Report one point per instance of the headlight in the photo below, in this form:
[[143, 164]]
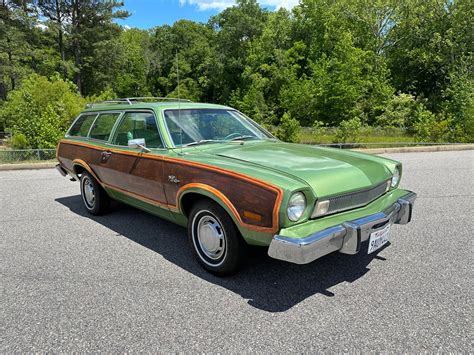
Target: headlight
[[320, 209], [296, 206], [395, 177]]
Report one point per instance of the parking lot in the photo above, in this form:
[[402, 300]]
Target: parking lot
[[127, 281]]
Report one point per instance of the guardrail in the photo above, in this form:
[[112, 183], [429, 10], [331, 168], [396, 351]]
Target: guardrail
[[24, 155]]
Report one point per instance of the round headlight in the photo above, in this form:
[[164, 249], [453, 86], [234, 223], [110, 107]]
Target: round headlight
[[296, 206], [395, 177]]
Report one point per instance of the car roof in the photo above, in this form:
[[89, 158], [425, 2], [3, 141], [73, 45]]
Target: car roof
[[153, 106]]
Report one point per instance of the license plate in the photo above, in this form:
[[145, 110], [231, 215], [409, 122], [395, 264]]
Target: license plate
[[378, 239]]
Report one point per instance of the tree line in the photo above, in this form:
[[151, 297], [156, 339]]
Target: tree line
[[349, 63]]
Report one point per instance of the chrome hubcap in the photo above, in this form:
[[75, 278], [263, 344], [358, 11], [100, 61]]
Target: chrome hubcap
[[211, 237], [89, 193]]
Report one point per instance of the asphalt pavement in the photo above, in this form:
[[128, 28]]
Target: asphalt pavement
[[127, 281]]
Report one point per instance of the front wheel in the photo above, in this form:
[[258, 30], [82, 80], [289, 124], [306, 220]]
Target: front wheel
[[93, 195], [214, 239]]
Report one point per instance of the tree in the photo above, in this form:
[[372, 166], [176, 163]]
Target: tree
[[91, 23], [15, 29], [41, 110], [235, 28], [185, 47]]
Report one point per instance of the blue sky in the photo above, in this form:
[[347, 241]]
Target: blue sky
[[150, 13]]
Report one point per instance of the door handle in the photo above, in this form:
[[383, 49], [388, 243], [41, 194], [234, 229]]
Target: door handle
[[105, 156]]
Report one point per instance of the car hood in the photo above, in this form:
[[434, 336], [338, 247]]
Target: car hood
[[327, 171]]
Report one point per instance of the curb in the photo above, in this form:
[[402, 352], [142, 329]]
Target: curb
[[28, 166], [422, 149]]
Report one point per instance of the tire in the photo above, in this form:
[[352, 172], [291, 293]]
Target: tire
[[95, 199], [214, 239]]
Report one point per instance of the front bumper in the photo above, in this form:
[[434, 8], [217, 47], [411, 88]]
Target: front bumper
[[345, 237]]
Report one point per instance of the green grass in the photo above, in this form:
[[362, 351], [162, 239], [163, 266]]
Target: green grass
[[368, 135], [328, 139]]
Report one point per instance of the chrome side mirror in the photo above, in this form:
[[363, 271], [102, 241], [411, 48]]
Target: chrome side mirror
[[138, 143]]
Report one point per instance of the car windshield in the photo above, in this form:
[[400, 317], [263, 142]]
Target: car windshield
[[199, 126]]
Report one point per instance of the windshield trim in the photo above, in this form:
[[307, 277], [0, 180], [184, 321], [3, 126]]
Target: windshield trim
[[248, 119]]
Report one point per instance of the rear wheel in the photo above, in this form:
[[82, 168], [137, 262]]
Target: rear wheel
[[214, 238], [93, 195]]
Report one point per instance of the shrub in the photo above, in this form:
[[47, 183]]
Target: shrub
[[349, 131], [318, 128], [399, 112], [289, 129], [18, 141], [41, 110], [431, 128]]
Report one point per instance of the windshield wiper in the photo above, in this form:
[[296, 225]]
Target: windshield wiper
[[243, 137], [202, 141]]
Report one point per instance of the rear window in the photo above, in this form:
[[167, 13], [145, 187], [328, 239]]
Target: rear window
[[103, 126], [81, 126]]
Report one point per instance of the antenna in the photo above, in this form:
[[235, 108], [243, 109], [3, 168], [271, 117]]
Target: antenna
[[179, 107]]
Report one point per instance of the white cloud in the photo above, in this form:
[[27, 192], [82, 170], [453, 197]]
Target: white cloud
[[222, 4], [41, 26]]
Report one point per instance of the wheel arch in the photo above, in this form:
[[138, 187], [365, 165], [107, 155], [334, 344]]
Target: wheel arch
[[79, 166], [192, 193]]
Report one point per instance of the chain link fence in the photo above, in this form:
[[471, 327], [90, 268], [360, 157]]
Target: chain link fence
[[382, 145], [8, 156], [26, 155]]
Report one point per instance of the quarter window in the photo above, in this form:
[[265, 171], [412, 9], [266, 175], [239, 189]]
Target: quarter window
[[81, 127], [103, 126], [136, 125]]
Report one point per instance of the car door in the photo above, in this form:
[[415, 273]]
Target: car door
[[99, 135], [133, 171]]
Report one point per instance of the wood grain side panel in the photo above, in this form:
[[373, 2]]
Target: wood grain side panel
[[126, 171], [67, 153], [147, 177], [240, 192], [243, 195]]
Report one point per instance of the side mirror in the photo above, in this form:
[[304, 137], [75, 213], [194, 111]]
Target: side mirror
[[138, 143]]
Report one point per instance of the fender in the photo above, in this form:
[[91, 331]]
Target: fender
[[83, 164], [222, 200]]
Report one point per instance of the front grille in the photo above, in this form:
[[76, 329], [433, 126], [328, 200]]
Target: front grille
[[356, 199]]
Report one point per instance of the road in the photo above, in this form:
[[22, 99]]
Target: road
[[127, 281]]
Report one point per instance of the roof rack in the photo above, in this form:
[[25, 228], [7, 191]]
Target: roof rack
[[135, 100]]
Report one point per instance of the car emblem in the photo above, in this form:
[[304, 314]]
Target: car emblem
[[173, 179]]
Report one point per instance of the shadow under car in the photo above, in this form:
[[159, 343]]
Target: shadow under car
[[267, 284]]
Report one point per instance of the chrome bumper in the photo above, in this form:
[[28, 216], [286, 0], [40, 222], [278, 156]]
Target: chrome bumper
[[61, 170], [345, 238], [65, 172]]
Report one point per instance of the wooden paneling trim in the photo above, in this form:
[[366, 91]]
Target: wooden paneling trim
[[227, 202], [278, 191], [129, 193]]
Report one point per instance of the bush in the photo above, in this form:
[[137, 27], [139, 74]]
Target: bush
[[18, 141], [349, 131], [432, 128], [289, 129], [399, 112], [41, 110], [318, 128]]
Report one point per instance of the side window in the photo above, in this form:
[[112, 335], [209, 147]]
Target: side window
[[81, 127], [103, 126], [138, 125]]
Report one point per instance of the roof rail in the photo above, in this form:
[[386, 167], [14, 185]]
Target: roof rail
[[135, 100]]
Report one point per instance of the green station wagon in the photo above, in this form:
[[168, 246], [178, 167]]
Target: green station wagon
[[214, 170]]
